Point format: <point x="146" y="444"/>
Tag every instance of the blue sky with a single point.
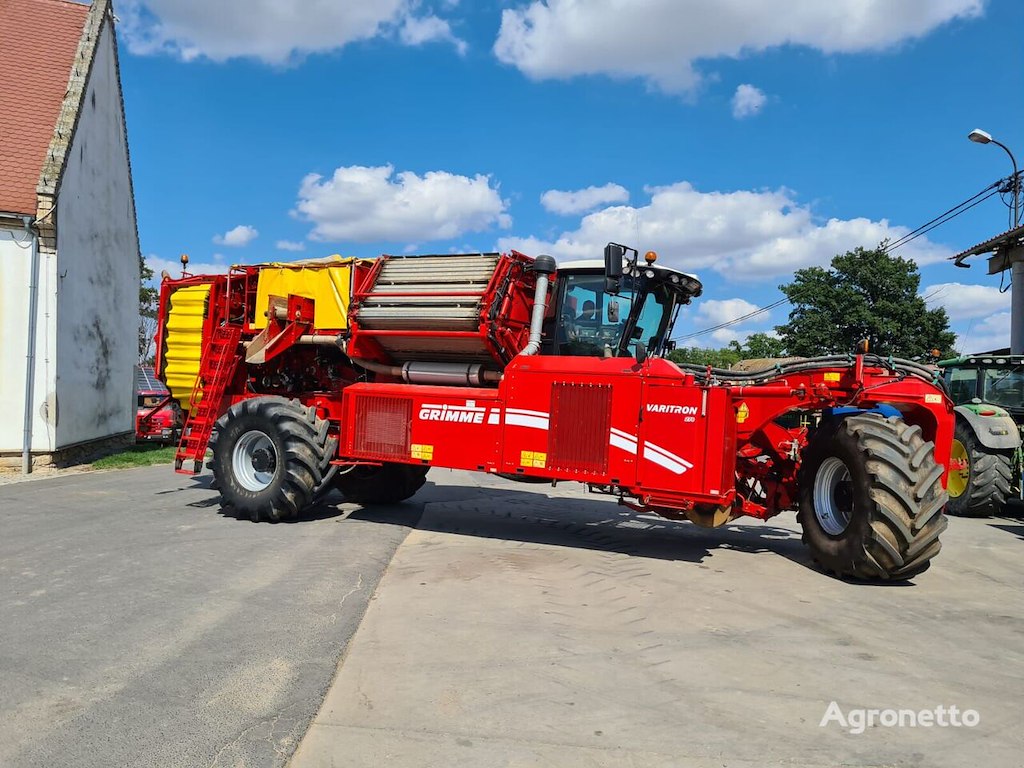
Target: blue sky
<point x="741" y="140"/>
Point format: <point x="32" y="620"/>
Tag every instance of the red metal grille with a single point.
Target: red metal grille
<point x="578" y="432"/>
<point x="383" y="426"/>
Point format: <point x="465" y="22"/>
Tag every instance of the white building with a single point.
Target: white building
<point x="69" y="246"/>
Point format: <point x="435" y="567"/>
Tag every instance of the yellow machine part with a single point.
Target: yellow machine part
<point x="183" y="340"/>
<point x="327" y="282"/>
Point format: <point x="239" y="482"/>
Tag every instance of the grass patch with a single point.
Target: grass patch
<point x="141" y="455"/>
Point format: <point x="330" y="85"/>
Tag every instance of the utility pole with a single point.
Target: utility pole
<point x="1007" y="249"/>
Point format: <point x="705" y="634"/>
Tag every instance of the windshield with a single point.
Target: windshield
<point x="1004" y="386"/>
<point x="592" y="321"/>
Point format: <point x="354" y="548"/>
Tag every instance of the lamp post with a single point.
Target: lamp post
<point x="979" y="136"/>
<point x="1015" y="259"/>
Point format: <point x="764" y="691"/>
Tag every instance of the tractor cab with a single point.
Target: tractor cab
<point x="616" y="307"/>
<point x="992" y="379"/>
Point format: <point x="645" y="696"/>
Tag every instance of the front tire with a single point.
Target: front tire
<point x="269" y="457"/>
<point x="871" y="498"/>
<point x="980" y="478"/>
<point x="386" y="484"/>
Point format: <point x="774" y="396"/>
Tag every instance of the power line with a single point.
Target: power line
<point x="989" y="191"/>
<point x="980" y="197"/>
<point x="735" y="320"/>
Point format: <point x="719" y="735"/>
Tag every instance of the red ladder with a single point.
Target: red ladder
<point x="216" y="368"/>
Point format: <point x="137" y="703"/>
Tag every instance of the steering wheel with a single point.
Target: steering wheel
<point x="569" y="326"/>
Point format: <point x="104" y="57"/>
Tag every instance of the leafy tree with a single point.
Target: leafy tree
<point x="757" y="345"/>
<point x="148" y="300"/>
<point x="865" y="294"/>
<point x="760" y="345"/>
<point x="716" y="358"/>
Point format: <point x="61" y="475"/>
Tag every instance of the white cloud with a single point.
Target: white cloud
<point x="991" y="333"/>
<point x="238" y="236"/>
<point x="429" y="29"/>
<point x="715" y="311"/>
<point x="290" y="245"/>
<point x="662" y="40"/>
<point x="712" y="312"/>
<point x="966" y="302"/>
<point x="747" y="101"/>
<point x="582" y="200"/>
<point x="275" y="31"/>
<point x="366" y="204"/>
<point x="747" y="235"/>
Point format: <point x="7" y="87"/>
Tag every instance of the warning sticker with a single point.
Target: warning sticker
<point x="742" y="413"/>
<point x="933" y="398"/>
<point x="832" y="376"/>
<point x="422" y="452"/>
<point x="533" y="459"/>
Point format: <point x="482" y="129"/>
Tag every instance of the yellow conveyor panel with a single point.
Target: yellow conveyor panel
<point x="328" y="283"/>
<point x="184" y="340"/>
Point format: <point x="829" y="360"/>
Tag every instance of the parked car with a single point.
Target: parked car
<point x="158" y="417"/>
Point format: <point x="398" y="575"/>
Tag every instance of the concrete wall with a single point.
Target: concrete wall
<point x="97" y="266"/>
<point x="15" y="268"/>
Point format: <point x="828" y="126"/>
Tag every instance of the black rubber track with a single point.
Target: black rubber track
<point x="387" y="484"/>
<point x="304" y="450"/>
<point x="897" y="494"/>
<point x="990" y="480"/>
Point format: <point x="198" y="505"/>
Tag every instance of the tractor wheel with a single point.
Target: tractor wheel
<point x="980" y="479"/>
<point x="386" y="484"/>
<point x="269" y="457"/>
<point x="871" y="498"/>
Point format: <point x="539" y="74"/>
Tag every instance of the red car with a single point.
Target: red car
<point x="158" y="418"/>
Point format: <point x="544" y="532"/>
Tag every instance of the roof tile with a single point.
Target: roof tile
<point x="40" y="41"/>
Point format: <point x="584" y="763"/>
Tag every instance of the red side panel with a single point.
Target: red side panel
<point x="454" y="427"/>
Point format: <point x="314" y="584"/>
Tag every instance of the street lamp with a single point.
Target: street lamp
<point x="979" y="136"/>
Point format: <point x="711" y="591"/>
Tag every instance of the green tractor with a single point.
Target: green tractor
<point x="984" y="471"/>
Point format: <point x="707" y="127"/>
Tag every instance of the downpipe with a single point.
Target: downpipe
<point x="30" y="357"/>
<point x="544" y="266"/>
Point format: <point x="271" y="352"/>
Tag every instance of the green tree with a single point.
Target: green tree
<point x="148" y="301"/>
<point x="716" y="358"/>
<point x="865" y="294"/>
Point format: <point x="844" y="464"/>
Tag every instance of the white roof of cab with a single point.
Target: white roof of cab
<point x="599" y="264"/>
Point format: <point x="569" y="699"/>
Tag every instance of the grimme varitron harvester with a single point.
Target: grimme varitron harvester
<point x="361" y="375"/>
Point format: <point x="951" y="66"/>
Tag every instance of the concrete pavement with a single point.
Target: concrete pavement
<point x="141" y="627"/>
<point x="551" y="630"/>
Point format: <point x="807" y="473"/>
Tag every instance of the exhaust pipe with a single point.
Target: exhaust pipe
<point x="544" y="266"/>
<point x="443" y="374"/>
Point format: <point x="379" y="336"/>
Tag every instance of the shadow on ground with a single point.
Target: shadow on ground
<point x="533" y="517"/>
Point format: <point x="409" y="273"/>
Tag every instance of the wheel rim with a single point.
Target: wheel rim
<point x="959" y="470"/>
<point x="254" y="461"/>
<point x="833" y="496"/>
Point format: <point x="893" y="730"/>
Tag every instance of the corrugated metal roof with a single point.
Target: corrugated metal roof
<point x="991" y="244"/>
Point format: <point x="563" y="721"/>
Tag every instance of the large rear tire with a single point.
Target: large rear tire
<point x="269" y="457"/>
<point x="980" y="478"/>
<point x="386" y="484"/>
<point x="871" y="498"/>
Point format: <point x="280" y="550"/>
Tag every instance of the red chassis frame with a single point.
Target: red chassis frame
<point x="647" y="430"/>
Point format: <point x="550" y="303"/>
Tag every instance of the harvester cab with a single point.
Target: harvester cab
<point x="616" y="308"/>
